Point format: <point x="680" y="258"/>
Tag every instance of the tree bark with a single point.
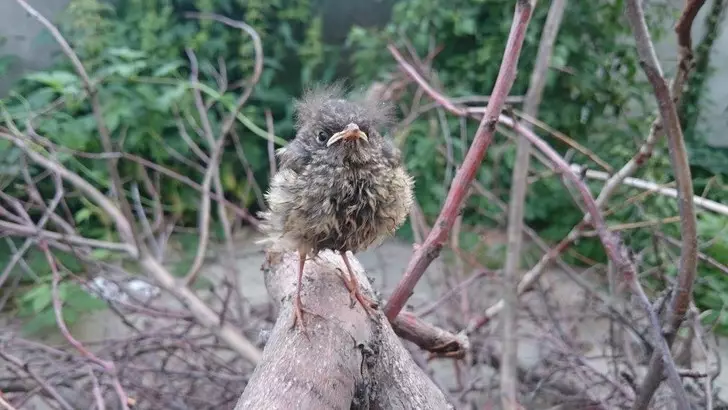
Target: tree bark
<point x="348" y="361"/>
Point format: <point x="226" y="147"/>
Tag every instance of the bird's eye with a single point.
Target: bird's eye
<point x="322" y="137"/>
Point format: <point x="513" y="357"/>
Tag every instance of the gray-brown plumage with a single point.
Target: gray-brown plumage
<point x="341" y="184"/>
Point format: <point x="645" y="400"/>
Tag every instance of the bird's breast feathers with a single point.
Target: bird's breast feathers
<point x="339" y="208"/>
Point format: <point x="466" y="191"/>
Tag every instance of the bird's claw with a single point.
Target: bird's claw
<point x="298" y="310"/>
<point x="355" y="295"/>
<point x="367" y="303"/>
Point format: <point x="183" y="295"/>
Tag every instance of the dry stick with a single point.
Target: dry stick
<point x="211" y="175"/>
<point x="430" y="249"/>
<point x="50" y="209"/>
<point x="271" y="146"/>
<point x="202" y="313"/>
<point x="44" y="384"/>
<point x="5" y="404"/>
<point x="617" y="253"/>
<point x="127" y="231"/>
<point x="534" y="94"/>
<point x="100" y="405"/>
<point x="678" y="157"/>
<point x="108" y="366"/>
<point x="100" y="199"/>
<point x="650" y="186"/>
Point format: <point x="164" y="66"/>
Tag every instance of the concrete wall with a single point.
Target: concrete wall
<point x="21" y="33"/>
<point x="713" y="120"/>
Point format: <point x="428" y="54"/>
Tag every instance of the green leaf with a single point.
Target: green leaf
<point x="100" y="254"/>
<point x="170" y="96"/>
<point x="38" y="298"/>
<point x="81" y="301"/>
<point x="83" y="215"/>
<point x="42" y="321"/>
<point x="57" y="80"/>
<point x="124" y="70"/>
<point x="126" y="53"/>
<point x="167" y="68"/>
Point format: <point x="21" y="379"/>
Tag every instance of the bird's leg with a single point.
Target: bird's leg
<point x="298" y="307"/>
<point x="353" y="285"/>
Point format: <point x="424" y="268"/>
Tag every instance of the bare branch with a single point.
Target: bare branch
<point x="650" y="186"/>
<point x="47" y="387"/>
<point x="122" y="223"/>
<point x="430" y="249"/>
<point x="678" y="157"/>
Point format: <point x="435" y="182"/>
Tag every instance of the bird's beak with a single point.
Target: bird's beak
<point x="351" y="132"/>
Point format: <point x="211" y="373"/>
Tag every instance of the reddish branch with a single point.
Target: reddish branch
<point x="108" y="366"/>
<point x="439" y="342"/>
<point x="433" y="244"/>
<point x="683" y="69"/>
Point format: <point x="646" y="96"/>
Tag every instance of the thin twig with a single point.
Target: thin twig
<point x="108" y="366"/>
<point x="650" y="186"/>
<point x="47" y="387"/>
<point x="100" y="404"/>
<point x="271" y="147"/>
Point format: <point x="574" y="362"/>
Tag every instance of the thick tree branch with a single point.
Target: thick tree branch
<point x="348" y="360"/>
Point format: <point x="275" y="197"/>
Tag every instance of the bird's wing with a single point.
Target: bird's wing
<point x="391" y="153"/>
<point x="293" y="156"/>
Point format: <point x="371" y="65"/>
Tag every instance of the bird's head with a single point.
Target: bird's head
<point x="340" y="129"/>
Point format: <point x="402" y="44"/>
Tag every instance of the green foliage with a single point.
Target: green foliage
<point x="37" y="306"/>
<point x="35" y="303"/>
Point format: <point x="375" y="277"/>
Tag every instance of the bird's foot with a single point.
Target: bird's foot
<point x="355" y="295"/>
<point x="367" y="303"/>
<point x="298" y="310"/>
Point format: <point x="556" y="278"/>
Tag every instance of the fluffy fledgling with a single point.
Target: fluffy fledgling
<point x="341" y="184"/>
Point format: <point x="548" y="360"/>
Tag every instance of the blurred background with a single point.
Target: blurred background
<point x="596" y="111"/>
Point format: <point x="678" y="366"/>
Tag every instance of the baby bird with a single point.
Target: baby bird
<point x="341" y="185"/>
